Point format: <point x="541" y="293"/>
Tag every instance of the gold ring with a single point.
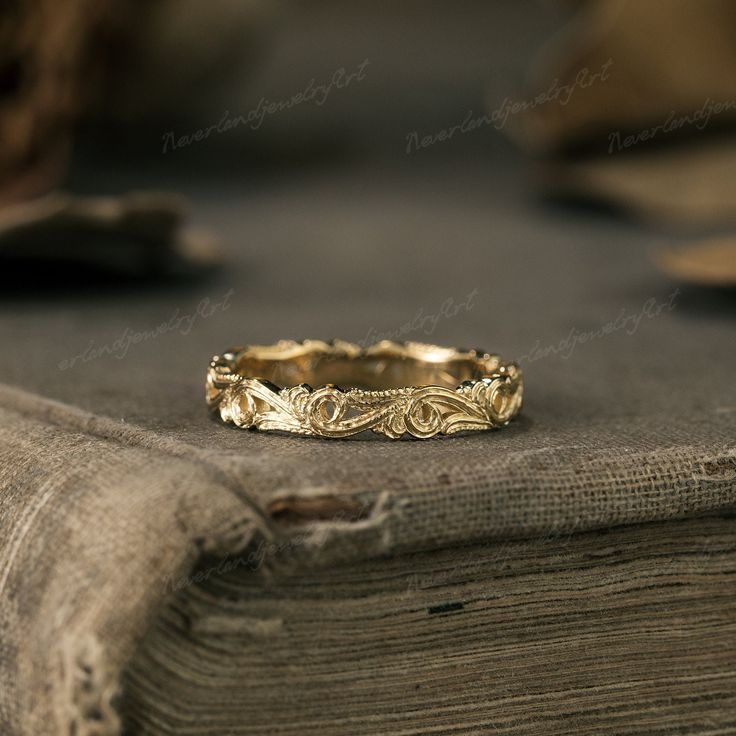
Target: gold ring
<point x="390" y="388"/>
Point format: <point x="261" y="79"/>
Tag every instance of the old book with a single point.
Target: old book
<point x="628" y="630"/>
<point x="152" y="587"/>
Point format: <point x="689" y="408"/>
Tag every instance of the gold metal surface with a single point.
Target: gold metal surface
<point x="338" y="389"/>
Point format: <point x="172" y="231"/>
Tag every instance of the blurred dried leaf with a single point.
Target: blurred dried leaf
<point x="138" y="235"/>
<point x="692" y="186"/>
<point x="648" y="137"/>
<point x="43" y="47"/>
<point x="166" y="58"/>
<point x="60" y="59"/>
<point x="710" y="263"/>
<point x="667" y="56"/>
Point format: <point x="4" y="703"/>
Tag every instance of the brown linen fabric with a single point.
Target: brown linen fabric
<point x="82" y="559"/>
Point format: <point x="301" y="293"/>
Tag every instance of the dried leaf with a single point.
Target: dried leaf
<point x="710" y="263"/>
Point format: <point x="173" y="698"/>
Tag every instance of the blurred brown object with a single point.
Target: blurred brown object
<point x="59" y="60"/>
<point x="645" y="137"/>
<point x="667" y="56"/>
<point x="710" y="263"/>
<point x="136" y="236"/>
<point x="692" y="187"/>
<point x="42" y="49"/>
<point x="168" y="58"/>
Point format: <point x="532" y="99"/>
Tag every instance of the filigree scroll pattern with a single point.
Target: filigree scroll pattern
<point x="329" y="411"/>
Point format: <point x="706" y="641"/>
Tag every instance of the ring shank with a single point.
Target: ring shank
<point x="338" y="389"/>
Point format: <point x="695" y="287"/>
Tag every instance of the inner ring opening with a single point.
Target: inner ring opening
<point x="368" y="372"/>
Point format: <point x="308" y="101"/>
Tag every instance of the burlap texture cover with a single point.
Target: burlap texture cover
<point x="115" y="480"/>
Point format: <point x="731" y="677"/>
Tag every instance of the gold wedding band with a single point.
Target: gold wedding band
<point x="337" y="389"/>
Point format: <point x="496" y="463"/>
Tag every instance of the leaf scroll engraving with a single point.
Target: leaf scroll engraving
<point x="329" y="411"/>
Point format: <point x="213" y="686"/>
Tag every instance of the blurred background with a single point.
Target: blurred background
<point x="507" y="173"/>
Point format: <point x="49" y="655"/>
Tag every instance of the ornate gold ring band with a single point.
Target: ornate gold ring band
<point x="338" y="388"/>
